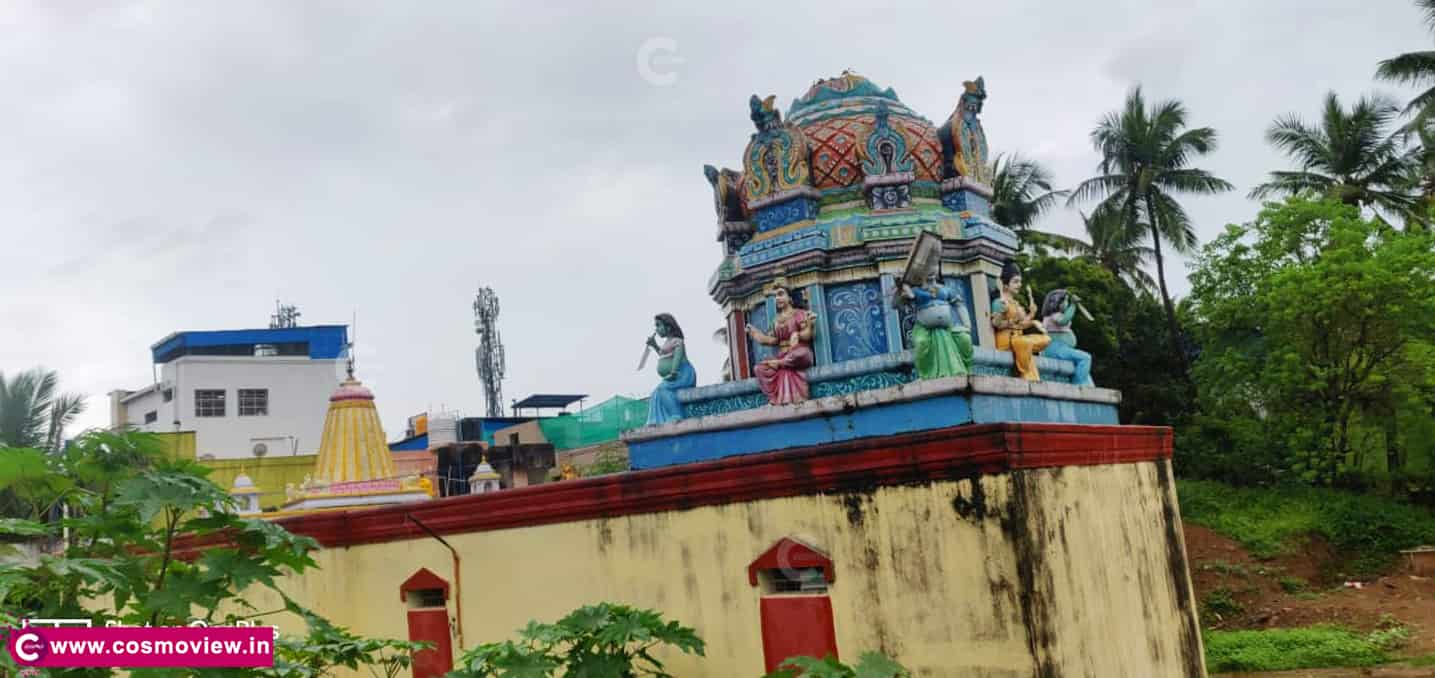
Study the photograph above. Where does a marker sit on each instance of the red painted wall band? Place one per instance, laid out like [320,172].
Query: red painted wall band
[940,454]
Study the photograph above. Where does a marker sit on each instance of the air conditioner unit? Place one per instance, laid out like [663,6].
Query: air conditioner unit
[260,449]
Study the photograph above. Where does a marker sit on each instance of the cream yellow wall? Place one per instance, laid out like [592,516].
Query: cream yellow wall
[177,444]
[1080,570]
[270,474]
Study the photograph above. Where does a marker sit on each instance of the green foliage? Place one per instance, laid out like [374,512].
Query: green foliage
[115,553]
[1291,584]
[1351,156]
[607,461]
[1146,155]
[1315,328]
[869,665]
[1127,341]
[1366,531]
[1021,193]
[32,412]
[1220,604]
[328,646]
[600,640]
[1285,649]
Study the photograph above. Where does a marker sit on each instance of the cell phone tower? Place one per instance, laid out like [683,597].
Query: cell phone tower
[489,354]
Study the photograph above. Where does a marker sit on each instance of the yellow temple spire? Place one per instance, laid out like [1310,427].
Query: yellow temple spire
[353,447]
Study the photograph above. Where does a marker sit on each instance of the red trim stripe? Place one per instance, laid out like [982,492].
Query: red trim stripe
[940,454]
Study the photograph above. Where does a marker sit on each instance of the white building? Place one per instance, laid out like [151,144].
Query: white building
[243,393]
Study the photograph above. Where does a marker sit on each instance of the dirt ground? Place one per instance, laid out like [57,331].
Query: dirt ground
[1256,588]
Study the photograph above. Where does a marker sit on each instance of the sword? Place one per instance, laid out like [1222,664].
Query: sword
[647,351]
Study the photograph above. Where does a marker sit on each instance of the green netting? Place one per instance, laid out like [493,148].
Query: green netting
[600,423]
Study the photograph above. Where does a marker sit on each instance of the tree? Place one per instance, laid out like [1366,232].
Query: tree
[1314,318]
[1126,339]
[1117,249]
[1145,161]
[1021,194]
[595,640]
[32,414]
[1416,68]
[1352,156]
[119,554]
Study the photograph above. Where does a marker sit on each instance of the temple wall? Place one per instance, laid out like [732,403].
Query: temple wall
[1062,571]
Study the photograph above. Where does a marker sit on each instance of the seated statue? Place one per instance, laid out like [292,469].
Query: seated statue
[673,366]
[941,340]
[783,379]
[1057,312]
[1011,322]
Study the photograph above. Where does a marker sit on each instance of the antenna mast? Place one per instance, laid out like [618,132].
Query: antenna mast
[489,354]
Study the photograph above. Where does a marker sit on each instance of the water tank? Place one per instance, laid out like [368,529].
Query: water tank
[443,429]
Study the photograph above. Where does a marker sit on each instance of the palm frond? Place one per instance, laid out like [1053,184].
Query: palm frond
[1408,68]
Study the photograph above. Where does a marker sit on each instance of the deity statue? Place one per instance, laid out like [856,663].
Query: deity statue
[1057,312]
[290,493]
[673,366]
[964,142]
[1011,322]
[941,339]
[567,472]
[782,378]
[775,161]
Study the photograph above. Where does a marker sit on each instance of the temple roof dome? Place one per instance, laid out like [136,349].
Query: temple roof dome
[837,115]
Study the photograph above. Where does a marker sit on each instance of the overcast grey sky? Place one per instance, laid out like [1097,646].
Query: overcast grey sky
[178,165]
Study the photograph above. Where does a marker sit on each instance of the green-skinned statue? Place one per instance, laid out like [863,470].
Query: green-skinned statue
[941,339]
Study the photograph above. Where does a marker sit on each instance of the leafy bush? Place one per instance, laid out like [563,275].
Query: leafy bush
[596,640]
[1221,603]
[869,665]
[1367,531]
[1285,649]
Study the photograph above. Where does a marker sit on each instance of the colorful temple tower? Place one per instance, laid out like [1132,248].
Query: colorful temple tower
[832,197]
[354,466]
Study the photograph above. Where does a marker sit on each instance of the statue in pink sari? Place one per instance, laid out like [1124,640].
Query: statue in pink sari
[782,378]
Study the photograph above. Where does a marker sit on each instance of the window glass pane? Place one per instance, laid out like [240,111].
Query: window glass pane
[253,402]
[208,403]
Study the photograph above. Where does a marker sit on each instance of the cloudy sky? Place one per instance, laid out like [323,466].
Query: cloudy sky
[179,165]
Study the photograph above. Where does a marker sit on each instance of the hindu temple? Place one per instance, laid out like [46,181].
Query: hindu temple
[907,456]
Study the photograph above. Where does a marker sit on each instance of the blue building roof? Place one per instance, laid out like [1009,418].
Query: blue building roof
[319,342]
[418,442]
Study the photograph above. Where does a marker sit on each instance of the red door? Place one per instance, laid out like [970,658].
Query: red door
[795,625]
[431,625]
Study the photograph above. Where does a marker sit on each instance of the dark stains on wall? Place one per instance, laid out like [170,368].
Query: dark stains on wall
[975,508]
[1025,528]
[1176,561]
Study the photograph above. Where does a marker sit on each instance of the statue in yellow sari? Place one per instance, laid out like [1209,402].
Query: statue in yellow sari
[1011,321]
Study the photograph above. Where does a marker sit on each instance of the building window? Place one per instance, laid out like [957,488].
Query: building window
[167,394]
[151,417]
[253,402]
[208,403]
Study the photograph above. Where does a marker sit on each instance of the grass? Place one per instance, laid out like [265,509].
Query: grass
[1427,660]
[1366,531]
[1293,584]
[1220,603]
[1305,648]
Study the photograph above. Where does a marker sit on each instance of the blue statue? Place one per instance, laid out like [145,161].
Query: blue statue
[1057,311]
[673,366]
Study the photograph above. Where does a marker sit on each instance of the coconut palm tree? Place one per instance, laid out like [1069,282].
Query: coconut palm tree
[1416,68]
[1021,194]
[1352,155]
[1117,249]
[1146,153]
[32,413]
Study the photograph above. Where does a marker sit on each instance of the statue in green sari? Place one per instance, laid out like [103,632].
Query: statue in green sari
[941,339]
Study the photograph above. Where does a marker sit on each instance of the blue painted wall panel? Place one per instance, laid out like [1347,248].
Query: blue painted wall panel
[856,320]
